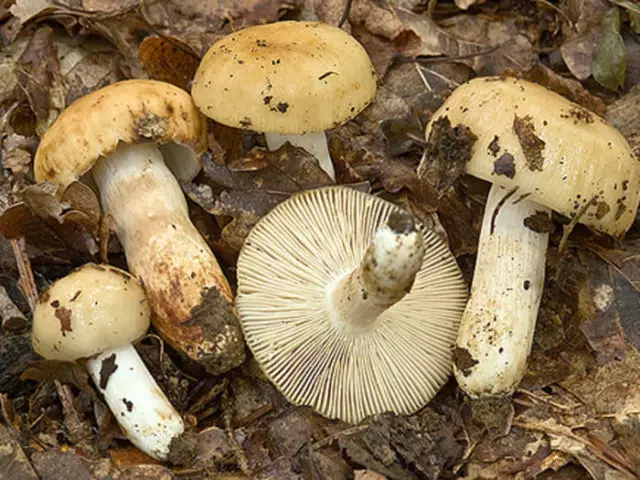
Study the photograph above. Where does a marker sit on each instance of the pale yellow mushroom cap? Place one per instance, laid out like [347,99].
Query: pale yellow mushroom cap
[559,154]
[94,308]
[285,77]
[132,111]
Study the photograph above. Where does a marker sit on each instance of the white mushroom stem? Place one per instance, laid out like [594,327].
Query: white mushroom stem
[496,330]
[384,277]
[167,253]
[315,143]
[141,193]
[141,408]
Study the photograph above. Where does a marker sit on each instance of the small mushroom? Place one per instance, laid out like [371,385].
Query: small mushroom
[541,152]
[134,136]
[96,312]
[348,305]
[290,80]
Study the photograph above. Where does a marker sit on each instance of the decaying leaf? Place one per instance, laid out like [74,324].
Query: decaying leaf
[40,79]
[65,372]
[13,461]
[169,60]
[610,59]
[625,116]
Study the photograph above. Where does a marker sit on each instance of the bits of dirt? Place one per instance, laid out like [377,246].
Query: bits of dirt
[580,115]
[152,126]
[182,448]
[540,222]
[463,360]
[401,223]
[64,315]
[532,146]
[602,208]
[216,318]
[107,369]
[128,404]
[494,146]
[447,152]
[505,165]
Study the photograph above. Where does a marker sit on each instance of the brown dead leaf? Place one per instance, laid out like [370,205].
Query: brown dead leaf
[581,30]
[397,446]
[66,372]
[572,89]
[40,79]
[58,464]
[14,463]
[168,60]
[127,457]
[248,187]
[624,114]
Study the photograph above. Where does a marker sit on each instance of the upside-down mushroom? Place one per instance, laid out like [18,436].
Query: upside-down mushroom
[348,305]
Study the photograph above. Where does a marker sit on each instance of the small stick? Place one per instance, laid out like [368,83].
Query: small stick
[27,281]
[345,13]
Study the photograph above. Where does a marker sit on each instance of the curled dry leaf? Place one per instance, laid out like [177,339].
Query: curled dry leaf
[249,187]
[62,228]
[169,60]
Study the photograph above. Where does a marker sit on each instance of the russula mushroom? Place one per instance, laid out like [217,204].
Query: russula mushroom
[96,312]
[134,136]
[541,152]
[348,305]
[290,80]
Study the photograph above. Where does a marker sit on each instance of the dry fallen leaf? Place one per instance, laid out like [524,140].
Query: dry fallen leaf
[169,60]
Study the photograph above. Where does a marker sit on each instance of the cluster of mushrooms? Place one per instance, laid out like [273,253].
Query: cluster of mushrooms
[348,304]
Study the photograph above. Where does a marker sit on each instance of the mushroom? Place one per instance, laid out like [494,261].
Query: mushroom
[96,312]
[348,305]
[541,152]
[290,80]
[132,135]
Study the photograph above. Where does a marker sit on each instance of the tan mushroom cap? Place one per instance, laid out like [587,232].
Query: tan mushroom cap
[95,308]
[287,264]
[131,111]
[285,77]
[559,153]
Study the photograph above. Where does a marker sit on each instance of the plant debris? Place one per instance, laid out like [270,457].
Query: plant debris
[576,413]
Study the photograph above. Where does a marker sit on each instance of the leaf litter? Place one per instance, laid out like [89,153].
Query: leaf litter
[576,413]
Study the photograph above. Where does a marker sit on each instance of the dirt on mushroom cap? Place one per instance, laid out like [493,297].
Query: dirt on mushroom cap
[563,155]
[285,77]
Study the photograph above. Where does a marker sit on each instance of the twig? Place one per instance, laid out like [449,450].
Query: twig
[499,206]
[345,13]
[559,406]
[12,318]
[567,229]
[342,433]
[559,10]
[27,281]
[239,454]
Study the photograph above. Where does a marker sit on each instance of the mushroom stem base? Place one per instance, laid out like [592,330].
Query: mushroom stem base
[384,277]
[315,143]
[496,330]
[141,408]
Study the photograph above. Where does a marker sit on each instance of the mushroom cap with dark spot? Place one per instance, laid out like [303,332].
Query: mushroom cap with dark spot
[131,111]
[559,153]
[94,308]
[285,77]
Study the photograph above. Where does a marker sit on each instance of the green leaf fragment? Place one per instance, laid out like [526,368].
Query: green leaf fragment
[610,58]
